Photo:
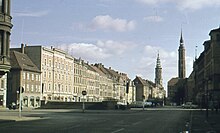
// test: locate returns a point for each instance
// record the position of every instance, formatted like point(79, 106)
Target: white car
point(148, 104)
point(189, 105)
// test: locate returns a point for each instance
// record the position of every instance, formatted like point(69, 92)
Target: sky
point(125, 35)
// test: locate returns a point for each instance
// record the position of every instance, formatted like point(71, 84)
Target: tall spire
point(182, 60)
point(158, 72)
point(181, 37)
point(158, 60)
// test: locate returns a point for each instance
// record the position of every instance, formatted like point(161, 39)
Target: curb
point(7, 121)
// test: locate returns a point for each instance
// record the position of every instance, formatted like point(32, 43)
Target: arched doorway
point(32, 101)
point(37, 102)
point(25, 101)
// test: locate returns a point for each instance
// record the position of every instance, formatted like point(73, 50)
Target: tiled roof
point(98, 70)
point(22, 61)
point(143, 82)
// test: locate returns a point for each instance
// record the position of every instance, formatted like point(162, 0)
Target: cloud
point(185, 4)
point(197, 4)
point(153, 19)
point(30, 14)
point(106, 22)
point(101, 50)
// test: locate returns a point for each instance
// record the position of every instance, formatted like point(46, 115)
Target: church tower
point(158, 72)
point(5, 32)
point(182, 60)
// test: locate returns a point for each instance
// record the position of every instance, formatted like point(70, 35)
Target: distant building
point(172, 89)
point(116, 86)
point(23, 74)
point(63, 78)
point(158, 72)
point(182, 59)
point(57, 72)
point(147, 90)
point(206, 74)
point(177, 86)
point(5, 32)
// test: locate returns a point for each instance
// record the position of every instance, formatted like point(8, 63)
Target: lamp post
point(20, 91)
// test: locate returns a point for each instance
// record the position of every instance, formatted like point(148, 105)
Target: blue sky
point(122, 34)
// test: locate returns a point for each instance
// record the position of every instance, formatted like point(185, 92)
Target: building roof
point(22, 61)
point(173, 81)
point(142, 81)
point(98, 70)
point(214, 30)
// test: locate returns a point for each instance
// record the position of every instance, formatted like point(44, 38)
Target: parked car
point(189, 105)
point(12, 106)
point(121, 105)
point(148, 104)
point(137, 104)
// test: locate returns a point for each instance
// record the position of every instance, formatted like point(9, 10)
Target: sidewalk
point(10, 118)
point(199, 123)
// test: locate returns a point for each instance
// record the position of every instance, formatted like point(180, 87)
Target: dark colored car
point(12, 106)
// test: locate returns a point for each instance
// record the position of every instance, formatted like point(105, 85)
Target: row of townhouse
point(51, 74)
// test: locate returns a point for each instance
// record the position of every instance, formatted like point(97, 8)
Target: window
point(45, 62)
point(32, 88)
point(32, 76)
point(55, 87)
point(36, 88)
point(2, 83)
point(23, 75)
point(36, 77)
point(27, 87)
point(39, 89)
point(49, 87)
point(50, 63)
point(45, 74)
point(28, 76)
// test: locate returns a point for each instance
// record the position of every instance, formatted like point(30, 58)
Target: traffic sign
point(84, 93)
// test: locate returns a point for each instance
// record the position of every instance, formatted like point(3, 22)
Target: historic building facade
point(23, 74)
point(63, 78)
point(206, 73)
point(5, 32)
point(57, 72)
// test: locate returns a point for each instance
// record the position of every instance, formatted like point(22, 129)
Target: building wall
point(31, 82)
point(64, 78)
point(3, 90)
point(57, 72)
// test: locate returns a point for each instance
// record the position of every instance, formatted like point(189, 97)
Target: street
point(101, 121)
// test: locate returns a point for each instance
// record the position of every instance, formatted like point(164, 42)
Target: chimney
point(22, 48)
